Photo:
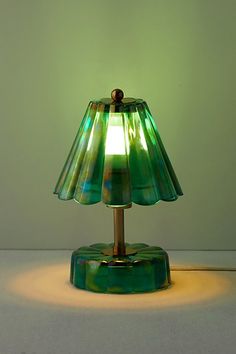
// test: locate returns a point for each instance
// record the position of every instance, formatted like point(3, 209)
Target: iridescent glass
point(118, 158)
point(147, 269)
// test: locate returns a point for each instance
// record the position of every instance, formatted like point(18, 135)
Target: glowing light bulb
point(115, 139)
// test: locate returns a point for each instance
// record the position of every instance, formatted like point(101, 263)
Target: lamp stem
point(119, 238)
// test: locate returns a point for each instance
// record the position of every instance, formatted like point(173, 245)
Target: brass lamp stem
point(119, 238)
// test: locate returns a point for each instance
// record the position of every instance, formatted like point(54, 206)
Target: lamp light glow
point(49, 285)
point(115, 139)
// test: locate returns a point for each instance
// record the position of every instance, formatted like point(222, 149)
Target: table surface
point(41, 313)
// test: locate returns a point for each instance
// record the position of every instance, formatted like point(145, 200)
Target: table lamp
point(118, 158)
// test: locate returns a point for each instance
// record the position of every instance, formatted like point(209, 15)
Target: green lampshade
point(118, 158)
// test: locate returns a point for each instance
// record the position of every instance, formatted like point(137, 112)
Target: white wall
point(57, 55)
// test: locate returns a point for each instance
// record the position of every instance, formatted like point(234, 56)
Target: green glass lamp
point(118, 158)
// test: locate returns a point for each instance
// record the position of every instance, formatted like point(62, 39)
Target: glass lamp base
point(144, 268)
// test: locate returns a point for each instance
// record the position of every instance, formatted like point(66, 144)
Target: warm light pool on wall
point(118, 158)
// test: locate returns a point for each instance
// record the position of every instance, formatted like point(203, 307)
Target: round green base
point(145, 268)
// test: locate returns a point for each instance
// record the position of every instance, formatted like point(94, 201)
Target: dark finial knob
point(117, 95)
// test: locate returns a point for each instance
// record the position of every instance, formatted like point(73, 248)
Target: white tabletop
point(41, 313)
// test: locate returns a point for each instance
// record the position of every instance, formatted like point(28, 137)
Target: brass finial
point(117, 95)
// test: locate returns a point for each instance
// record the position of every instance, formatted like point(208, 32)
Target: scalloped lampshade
point(118, 158)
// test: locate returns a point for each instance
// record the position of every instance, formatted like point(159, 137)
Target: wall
point(57, 55)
